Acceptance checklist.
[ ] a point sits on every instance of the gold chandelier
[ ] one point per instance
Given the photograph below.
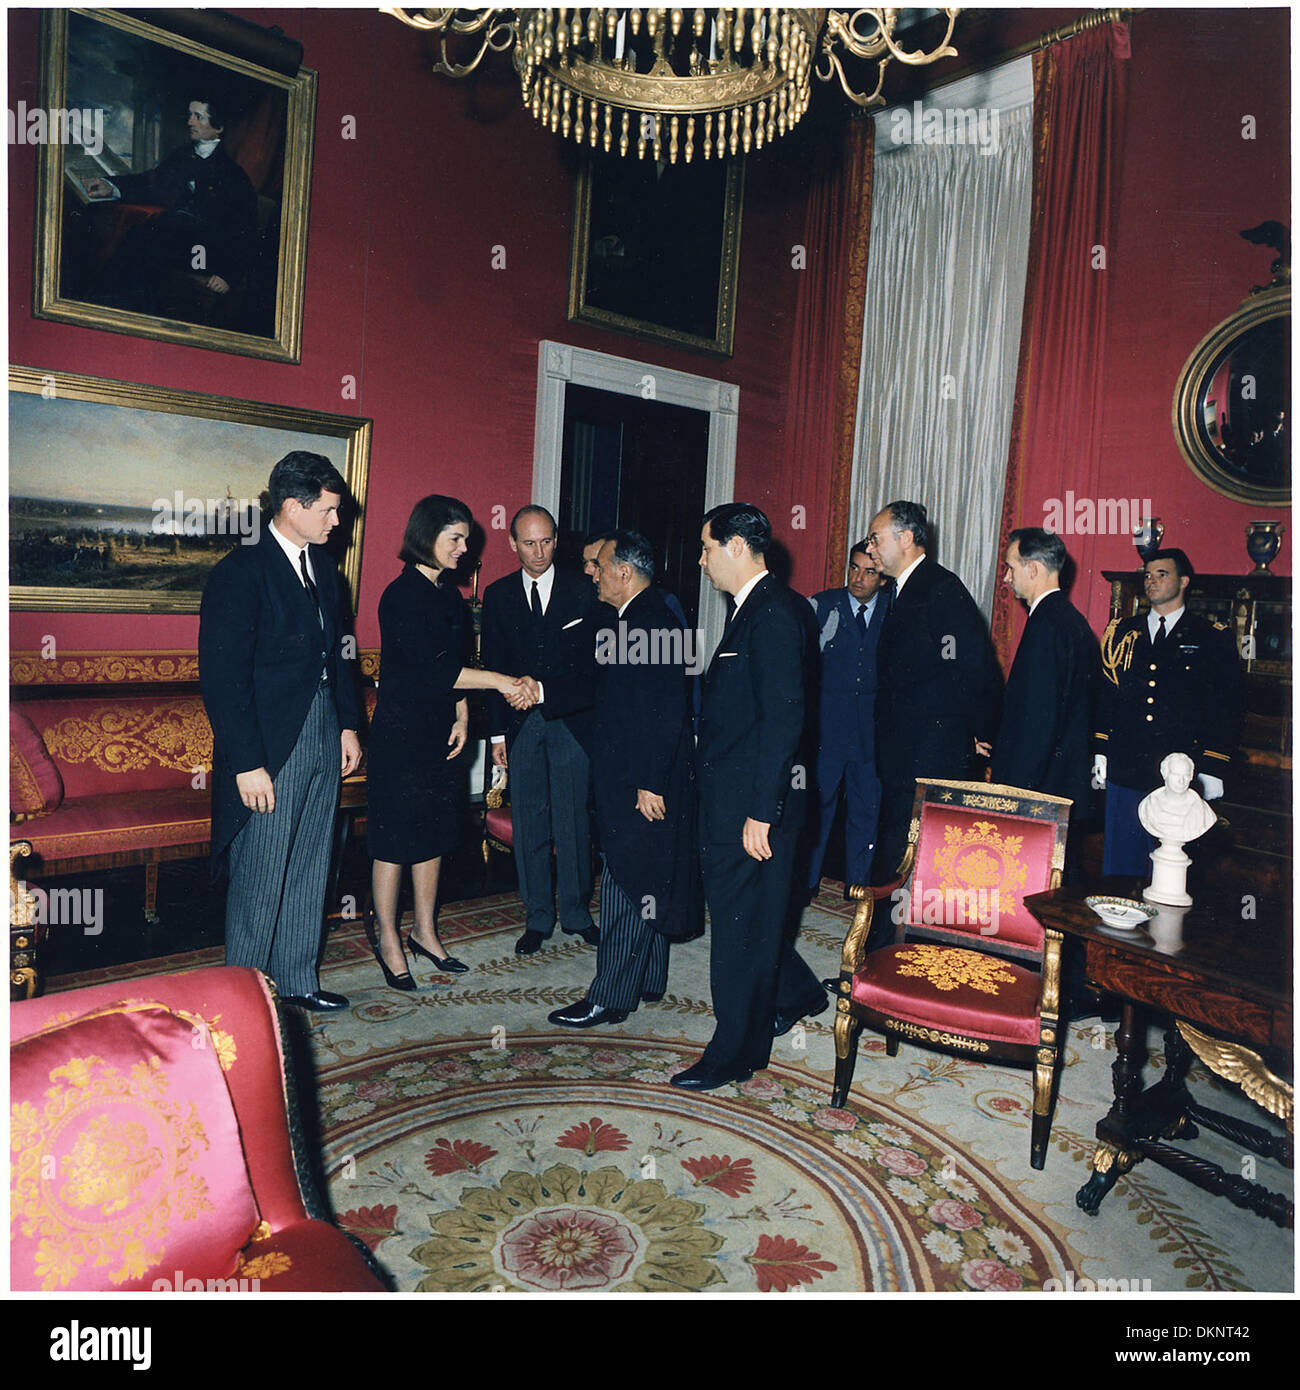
(670, 81)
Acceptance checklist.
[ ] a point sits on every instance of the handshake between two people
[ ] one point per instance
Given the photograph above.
(520, 692)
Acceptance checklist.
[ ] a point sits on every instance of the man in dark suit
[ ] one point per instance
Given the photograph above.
(279, 687)
(539, 623)
(206, 227)
(1171, 684)
(848, 626)
(752, 765)
(939, 687)
(641, 765)
(1044, 742)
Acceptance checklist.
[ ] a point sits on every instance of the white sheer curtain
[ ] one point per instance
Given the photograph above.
(941, 338)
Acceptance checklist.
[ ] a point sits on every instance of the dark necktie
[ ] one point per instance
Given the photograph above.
(1158, 640)
(311, 588)
(862, 620)
(537, 606)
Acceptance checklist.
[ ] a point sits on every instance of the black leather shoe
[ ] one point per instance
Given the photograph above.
(403, 980)
(652, 998)
(447, 963)
(529, 943)
(320, 1002)
(585, 1014)
(591, 935)
(702, 1077)
(782, 1023)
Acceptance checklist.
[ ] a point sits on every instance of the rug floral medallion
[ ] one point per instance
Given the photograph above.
(573, 1166)
(475, 1148)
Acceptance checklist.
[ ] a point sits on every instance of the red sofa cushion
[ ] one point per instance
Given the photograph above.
(35, 787)
(127, 1161)
(128, 821)
(498, 824)
(948, 988)
(235, 1003)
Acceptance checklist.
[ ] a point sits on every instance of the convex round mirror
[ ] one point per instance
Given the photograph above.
(1232, 407)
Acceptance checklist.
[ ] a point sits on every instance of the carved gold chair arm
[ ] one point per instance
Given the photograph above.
(495, 794)
(854, 951)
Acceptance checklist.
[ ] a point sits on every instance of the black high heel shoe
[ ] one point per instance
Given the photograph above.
(449, 964)
(404, 981)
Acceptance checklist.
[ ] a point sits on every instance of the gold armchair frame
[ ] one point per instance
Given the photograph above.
(850, 1017)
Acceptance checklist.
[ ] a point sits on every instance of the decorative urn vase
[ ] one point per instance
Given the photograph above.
(1263, 541)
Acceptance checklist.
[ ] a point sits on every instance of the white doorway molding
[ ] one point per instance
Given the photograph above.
(560, 365)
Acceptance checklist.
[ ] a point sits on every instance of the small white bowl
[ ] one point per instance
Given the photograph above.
(1124, 914)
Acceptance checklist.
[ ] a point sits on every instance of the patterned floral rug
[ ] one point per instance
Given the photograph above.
(474, 1147)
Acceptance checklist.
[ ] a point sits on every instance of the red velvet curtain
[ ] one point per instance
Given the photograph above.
(822, 395)
(1080, 95)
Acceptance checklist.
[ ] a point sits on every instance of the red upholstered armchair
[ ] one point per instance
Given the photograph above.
(970, 970)
(156, 1145)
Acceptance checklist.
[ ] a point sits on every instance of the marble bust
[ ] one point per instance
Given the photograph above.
(1174, 814)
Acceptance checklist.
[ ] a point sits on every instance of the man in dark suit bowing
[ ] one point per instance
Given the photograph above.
(1044, 742)
(939, 687)
(279, 687)
(538, 623)
(642, 772)
(849, 621)
(752, 763)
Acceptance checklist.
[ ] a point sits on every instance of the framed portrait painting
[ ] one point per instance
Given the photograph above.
(122, 497)
(173, 188)
(656, 249)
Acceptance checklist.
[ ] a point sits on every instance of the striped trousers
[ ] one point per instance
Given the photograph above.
(632, 958)
(279, 861)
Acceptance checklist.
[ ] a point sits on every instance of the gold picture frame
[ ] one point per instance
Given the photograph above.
(178, 483)
(98, 261)
(655, 251)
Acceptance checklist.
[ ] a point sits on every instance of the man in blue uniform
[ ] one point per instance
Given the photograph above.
(848, 626)
(1171, 684)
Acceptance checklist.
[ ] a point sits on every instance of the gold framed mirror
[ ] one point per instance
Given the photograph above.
(1232, 405)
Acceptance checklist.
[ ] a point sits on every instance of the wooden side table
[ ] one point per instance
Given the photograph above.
(1221, 972)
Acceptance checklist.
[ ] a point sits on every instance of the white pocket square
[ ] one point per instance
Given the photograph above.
(574, 623)
(721, 654)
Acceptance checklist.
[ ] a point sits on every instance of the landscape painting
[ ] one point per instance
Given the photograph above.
(122, 497)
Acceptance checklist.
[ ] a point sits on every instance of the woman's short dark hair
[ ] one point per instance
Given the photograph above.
(303, 476)
(430, 517)
(740, 519)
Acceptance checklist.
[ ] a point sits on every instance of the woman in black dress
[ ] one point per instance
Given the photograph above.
(419, 728)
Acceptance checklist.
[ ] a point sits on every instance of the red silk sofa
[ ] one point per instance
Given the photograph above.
(110, 756)
(156, 1145)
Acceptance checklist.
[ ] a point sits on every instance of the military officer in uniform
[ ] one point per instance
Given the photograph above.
(1171, 684)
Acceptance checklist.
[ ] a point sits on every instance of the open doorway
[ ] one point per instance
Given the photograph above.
(562, 368)
(639, 464)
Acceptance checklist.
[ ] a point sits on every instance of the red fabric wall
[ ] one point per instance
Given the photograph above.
(1189, 184)
(401, 293)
